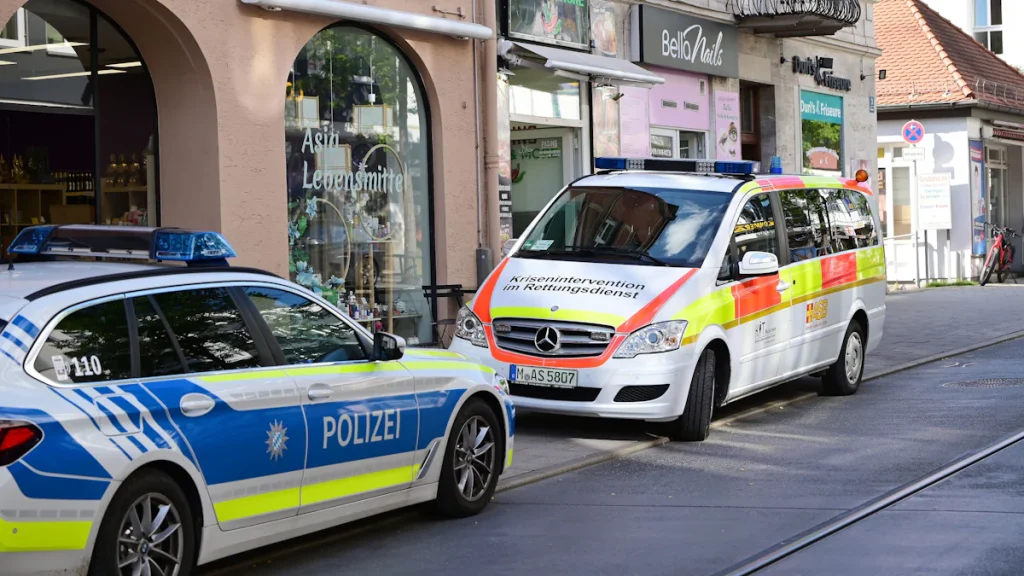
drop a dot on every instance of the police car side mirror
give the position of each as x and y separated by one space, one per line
387 347
759 264
507 246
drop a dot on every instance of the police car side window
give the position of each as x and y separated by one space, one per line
159 354
807 224
210 329
755 228
88 345
306 331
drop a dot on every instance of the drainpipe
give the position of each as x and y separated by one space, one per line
479 139
486 252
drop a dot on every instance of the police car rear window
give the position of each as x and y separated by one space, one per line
645 226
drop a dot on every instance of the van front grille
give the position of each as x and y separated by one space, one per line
574 339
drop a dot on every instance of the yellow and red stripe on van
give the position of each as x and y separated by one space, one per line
749 300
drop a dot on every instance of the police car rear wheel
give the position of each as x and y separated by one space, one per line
694 424
147 529
470 471
843 378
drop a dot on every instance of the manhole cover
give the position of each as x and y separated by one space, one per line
986 383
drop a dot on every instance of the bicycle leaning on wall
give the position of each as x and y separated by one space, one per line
1000 256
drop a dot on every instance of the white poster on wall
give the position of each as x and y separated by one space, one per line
933 202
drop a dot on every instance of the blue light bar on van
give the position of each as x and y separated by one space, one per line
738 167
187 246
124 242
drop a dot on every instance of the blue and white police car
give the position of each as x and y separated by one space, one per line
156 416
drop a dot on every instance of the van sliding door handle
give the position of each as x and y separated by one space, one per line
783 286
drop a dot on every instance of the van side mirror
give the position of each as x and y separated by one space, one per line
759 264
507 246
387 347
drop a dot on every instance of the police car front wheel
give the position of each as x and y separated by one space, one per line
147 529
471 461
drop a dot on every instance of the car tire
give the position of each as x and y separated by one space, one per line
843 377
126 517
693 425
472 461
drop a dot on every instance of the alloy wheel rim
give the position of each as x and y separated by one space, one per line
474 458
151 541
854 357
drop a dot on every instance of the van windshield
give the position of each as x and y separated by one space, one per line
642 226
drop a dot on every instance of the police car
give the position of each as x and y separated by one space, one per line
662 289
154 417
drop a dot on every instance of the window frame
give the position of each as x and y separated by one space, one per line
275 348
987 28
21 40
781 235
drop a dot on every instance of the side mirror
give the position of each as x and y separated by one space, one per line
759 264
387 347
507 246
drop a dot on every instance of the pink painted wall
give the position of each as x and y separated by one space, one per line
682 88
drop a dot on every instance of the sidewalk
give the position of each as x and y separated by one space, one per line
918 325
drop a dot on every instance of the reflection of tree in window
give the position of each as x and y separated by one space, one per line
158 354
305 330
100 331
807 223
210 329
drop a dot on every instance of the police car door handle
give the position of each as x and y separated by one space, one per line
783 286
319 392
194 405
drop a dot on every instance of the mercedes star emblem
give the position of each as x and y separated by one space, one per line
548 339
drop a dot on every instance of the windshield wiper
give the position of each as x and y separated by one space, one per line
618 250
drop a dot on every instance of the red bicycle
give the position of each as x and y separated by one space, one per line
1000 256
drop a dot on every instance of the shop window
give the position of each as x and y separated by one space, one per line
77 121
358 180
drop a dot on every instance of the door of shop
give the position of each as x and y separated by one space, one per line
543 162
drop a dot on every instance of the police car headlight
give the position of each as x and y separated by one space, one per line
501 384
469 327
660 337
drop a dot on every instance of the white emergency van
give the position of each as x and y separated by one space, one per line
662 289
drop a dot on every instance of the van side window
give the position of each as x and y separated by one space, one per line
755 228
807 224
851 216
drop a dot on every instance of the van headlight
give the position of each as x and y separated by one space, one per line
660 337
469 327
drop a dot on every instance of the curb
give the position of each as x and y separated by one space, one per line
640 445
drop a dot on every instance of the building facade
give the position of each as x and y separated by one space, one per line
967 170
988 22
351 145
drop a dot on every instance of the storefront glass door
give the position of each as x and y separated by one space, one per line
997 196
543 162
671 143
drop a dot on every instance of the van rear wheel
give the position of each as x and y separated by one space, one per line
844 376
695 422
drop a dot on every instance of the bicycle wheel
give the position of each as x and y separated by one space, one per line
990 261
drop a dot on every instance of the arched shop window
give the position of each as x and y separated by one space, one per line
78 121
358 161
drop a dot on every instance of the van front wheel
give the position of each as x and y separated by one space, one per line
694 424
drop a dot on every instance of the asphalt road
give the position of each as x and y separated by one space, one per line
757 482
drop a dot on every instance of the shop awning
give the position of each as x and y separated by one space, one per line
383 16
602 67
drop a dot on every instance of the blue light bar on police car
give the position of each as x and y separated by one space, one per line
125 242
737 167
187 246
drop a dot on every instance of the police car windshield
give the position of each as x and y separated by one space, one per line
642 226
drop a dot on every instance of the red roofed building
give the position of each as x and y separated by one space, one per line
971 104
